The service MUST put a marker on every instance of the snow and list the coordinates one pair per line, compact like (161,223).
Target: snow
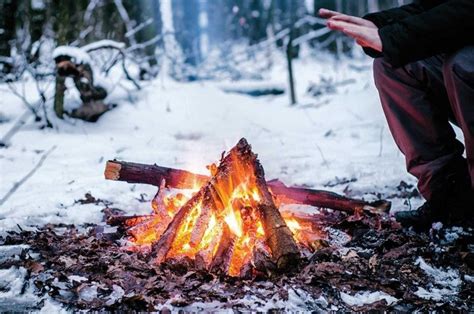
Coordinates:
(447,283)
(116,295)
(298,300)
(188,125)
(367,297)
(77,278)
(16,295)
(78,55)
(103,43)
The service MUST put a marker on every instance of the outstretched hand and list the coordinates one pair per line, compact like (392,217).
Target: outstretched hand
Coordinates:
(363,31)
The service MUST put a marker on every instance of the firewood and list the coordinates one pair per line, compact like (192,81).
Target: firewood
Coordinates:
(181,179)
(222,258)
(285,252)
(161,248)
(152,174)
(128,221)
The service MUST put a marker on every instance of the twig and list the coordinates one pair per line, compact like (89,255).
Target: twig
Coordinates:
(28,175)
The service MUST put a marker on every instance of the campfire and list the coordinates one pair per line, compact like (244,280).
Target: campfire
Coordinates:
(230,223)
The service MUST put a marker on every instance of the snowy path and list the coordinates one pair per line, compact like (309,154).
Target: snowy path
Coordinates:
(188,126)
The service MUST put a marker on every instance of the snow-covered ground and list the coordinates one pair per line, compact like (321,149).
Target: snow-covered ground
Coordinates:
(188,125)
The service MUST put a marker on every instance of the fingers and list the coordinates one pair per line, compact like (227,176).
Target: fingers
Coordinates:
(325,13)
(350,29)
(364,36)
(351,19)
(339,25)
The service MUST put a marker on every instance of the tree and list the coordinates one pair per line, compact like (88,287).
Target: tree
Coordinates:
(186,25)
(7,33)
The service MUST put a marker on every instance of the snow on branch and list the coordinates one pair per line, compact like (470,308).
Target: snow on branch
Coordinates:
(103,44)
(79,55)
(138,28)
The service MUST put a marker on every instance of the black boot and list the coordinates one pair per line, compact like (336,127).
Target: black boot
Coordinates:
(422,218)
(452,201)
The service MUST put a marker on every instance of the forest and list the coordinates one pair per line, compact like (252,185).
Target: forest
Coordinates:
(214,155)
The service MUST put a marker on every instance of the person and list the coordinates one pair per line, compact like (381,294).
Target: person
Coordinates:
(424,73)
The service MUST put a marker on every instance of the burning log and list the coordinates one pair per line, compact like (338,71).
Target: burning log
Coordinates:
(127,220)
(222,258)
(181,179)
(162,247)
(279,237)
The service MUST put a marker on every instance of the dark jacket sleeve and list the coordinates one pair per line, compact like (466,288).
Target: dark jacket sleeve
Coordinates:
(391,16)
(387,17)
(441,29)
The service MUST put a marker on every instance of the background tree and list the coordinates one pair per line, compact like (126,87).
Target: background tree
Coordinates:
(187,33)
(8,15)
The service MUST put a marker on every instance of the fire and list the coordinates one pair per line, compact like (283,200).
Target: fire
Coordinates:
(234,223)
(230,204)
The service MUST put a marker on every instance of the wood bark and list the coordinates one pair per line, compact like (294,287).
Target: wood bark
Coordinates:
(279,238)
(181,179)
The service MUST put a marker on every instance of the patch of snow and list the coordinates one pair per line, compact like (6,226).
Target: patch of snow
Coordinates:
(367,297)
(435,294)
(11,281)
(447,282)
(452,234)
(116,295)
(298,300)
(437,226)
(16,294)
(11,251)
(88,293)
(78,55)
(77,278)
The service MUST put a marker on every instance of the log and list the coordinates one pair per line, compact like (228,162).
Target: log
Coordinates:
(161,248)
(127,221)
(181,179)
(152,174)
(222,258)
(279,238)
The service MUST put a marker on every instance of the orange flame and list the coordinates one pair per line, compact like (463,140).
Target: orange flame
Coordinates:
(235,199)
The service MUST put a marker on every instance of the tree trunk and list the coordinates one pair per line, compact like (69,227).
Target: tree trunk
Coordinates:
(8,27)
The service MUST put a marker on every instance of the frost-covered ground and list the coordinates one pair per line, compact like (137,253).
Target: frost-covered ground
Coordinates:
(188,125)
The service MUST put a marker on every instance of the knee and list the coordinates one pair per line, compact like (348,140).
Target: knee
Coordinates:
(460,64)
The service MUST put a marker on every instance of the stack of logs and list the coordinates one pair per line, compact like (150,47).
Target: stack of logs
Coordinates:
(278,237)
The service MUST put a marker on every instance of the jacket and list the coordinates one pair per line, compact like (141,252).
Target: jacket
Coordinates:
(423,29)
